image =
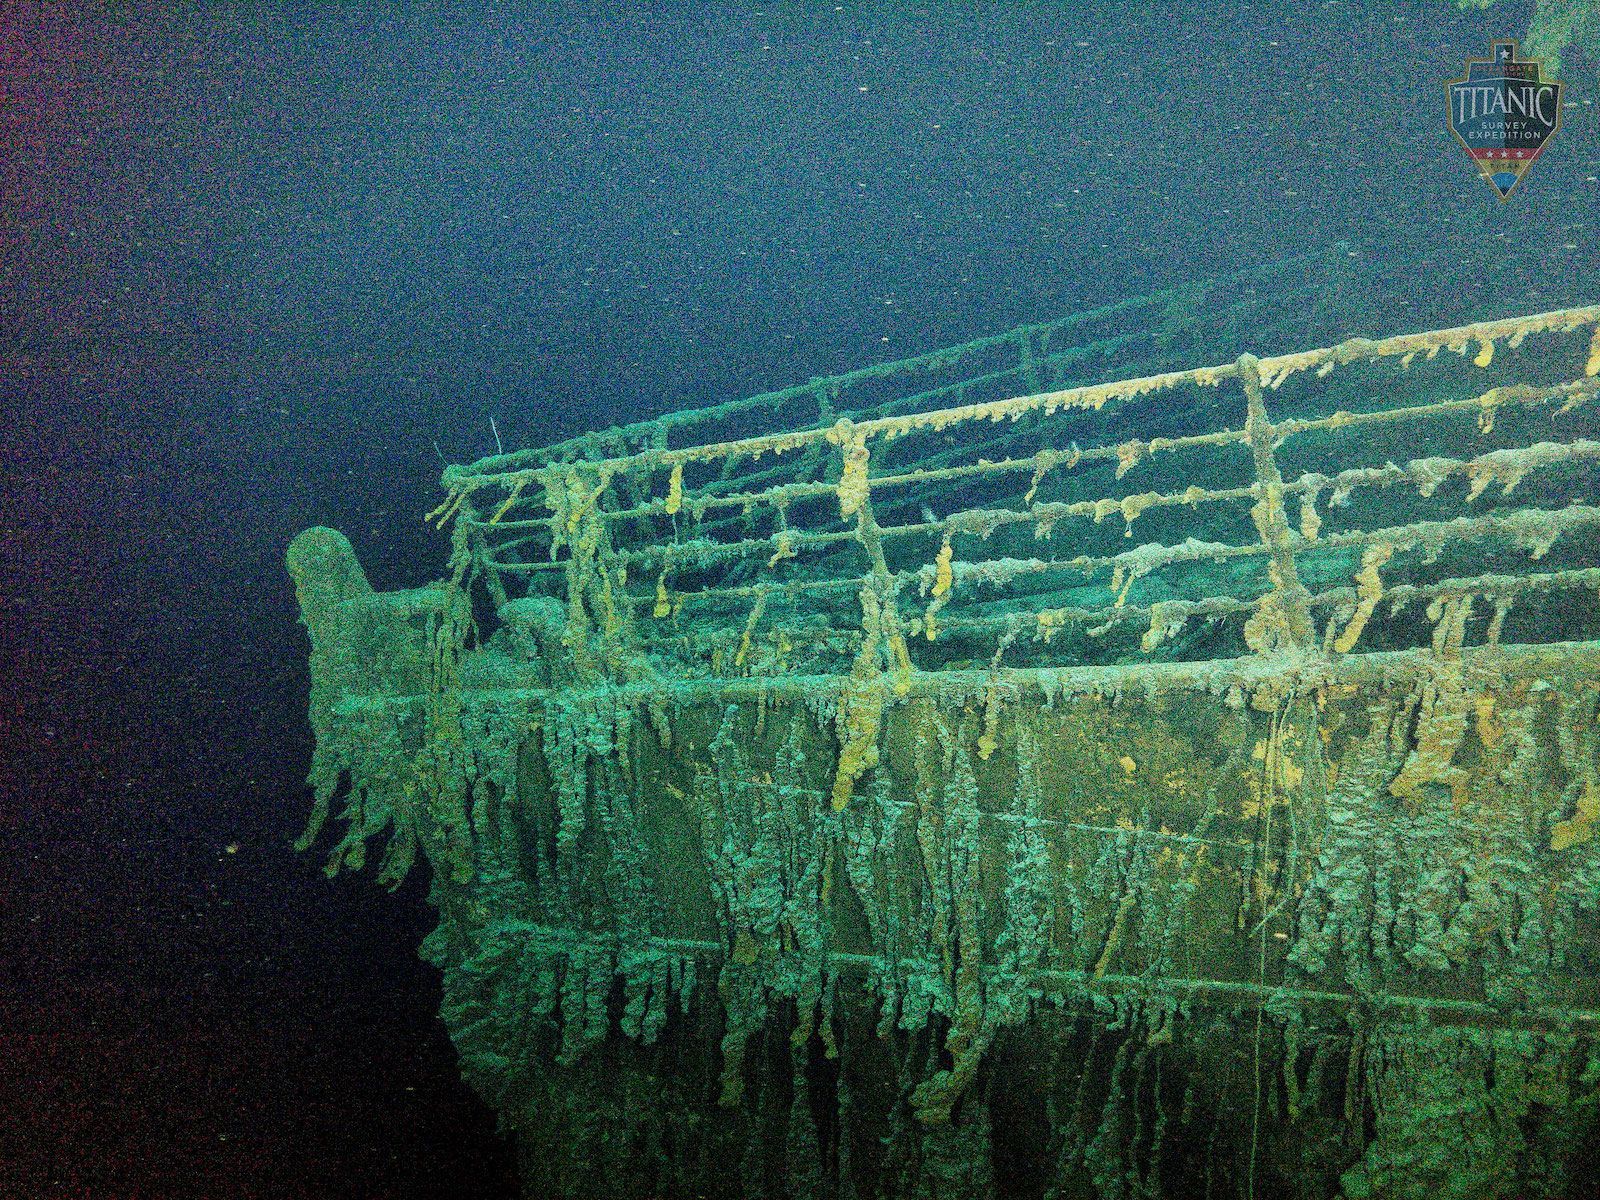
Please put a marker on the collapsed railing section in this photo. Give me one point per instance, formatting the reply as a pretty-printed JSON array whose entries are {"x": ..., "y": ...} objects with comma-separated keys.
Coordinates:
[{"x": 1431, "y": 488}]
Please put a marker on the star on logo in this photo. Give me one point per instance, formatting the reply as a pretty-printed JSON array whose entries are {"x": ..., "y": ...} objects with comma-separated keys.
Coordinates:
[{"x": 1502, "y": 112}]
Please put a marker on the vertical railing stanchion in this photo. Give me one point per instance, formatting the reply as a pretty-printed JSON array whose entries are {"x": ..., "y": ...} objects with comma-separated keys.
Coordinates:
[{"x": 1282, "y": 620}]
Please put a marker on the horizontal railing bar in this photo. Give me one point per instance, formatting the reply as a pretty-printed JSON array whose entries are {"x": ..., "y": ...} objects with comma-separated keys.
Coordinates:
[
  {"x": 1489, "y": 586},
  {"x": 933, "y": 359},
  {"x": 1578, "y": 391},
  {"x": 1093, "y": 396},
  {"x": 1049, "y": 980},
  {"x": 1361, "y": 476},
  {"x": 1151, "y": 557},
  {"x": 1483, "y": 668}
]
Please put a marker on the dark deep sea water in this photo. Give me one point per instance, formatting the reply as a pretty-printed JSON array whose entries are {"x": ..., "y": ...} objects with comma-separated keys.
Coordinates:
[{"x": 256, "y": 260}]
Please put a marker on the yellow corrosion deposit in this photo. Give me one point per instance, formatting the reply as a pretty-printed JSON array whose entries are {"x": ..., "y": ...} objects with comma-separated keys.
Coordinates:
[
  {"x": 1310, "y": 521},
  {"x": 1369, "y": 590},
  {"x": 943, "y": 579},
  {"x": 1443, "y": 709},
  {"x": 859, "y": 717},
  {"x": 1050, "y": 622},
  {"x": 859, "y": 722},
  {"x": 1504, "y": 467},
  {"x": 1488, "y": 403},
  {"x": 448, "y": 507},
  {"x": 511, "y": 498},
  {"x": 1128, "y": 456},
  {"x": 1490, "y": 728},
  {"x": 1271, "y": 626},
  {"x": 943, "y": 575},
  {"x": 783, "y": 549},
  {"x": 853, "y": 486},
  {"x": 1167, "y": 620},
  {"x": 674, "y": 490},
  {"x": 1132, "y": 506},
  {"x": 750, "y": 630},
  {"x": 1502, "y": 609},
  {"x": 989, "y": 742},
  {"x": 1043, "y": 462},
  {"x": 1580, "y": 826}
]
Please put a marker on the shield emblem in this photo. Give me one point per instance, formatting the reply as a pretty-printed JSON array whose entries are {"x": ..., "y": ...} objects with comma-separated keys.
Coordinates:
[{"x": 1503, "y": 112}]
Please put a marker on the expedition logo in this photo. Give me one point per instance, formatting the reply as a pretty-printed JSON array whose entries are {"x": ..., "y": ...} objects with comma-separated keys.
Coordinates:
[{"x": 1503, "y": 113}]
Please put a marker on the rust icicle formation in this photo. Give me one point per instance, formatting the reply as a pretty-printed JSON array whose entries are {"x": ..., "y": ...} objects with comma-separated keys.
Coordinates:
[{"x": 853, "y": 806}]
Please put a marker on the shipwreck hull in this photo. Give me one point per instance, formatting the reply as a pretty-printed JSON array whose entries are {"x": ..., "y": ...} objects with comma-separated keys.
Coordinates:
[{"x": 1291, "y": 890}]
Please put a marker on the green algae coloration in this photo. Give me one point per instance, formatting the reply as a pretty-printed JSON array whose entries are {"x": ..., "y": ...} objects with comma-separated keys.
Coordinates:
[
  {"x": 851, "y": 809},
  {"x": 1556, "y": 27}
]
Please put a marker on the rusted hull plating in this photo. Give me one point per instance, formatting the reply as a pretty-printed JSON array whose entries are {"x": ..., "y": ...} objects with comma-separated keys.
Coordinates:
[{"x": 854, "y": 810}]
